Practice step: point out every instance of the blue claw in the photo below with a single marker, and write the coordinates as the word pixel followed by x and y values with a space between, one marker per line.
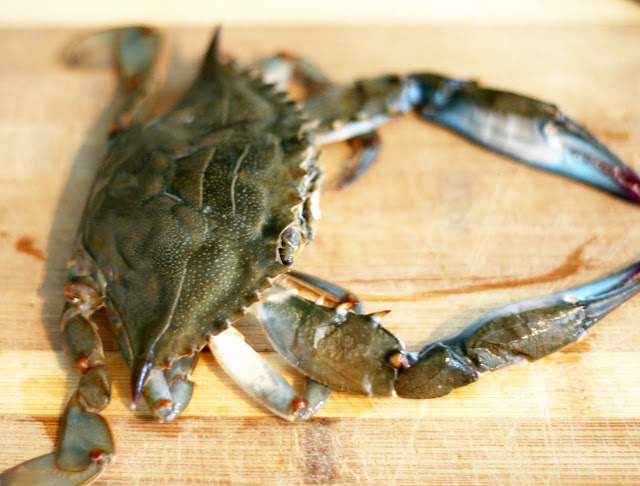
pixel 528 330
pixel 565 315
pixel 617 288
pixel 525 129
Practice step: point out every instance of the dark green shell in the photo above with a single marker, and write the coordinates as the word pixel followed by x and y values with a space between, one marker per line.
pixel 187 212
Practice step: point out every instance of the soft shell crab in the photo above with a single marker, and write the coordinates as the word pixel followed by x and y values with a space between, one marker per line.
pixel 83 295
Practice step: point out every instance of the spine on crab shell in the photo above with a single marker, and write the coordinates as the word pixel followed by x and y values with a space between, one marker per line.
pixel 139 374
pixel 524 129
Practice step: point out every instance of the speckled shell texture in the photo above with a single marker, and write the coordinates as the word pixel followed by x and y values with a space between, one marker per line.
pixel 186 215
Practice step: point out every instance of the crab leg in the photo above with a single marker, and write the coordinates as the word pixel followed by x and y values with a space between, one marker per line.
pixel 85 447
pixel 524 129
pixel 284 69
pixel 260 380
pixel 139 55
pixel 84 451
pixel 166 391
pixel 180 387
pixel 327 105
pixel 365 149
pixel 525 330
pixel 353 352
pixel 324 288
pixel 42 471
pixel 85 351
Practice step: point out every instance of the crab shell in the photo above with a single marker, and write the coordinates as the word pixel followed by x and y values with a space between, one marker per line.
pixel 193 213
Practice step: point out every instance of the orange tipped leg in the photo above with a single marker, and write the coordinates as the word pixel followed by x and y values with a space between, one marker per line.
pixel 85 446
pixel 138 53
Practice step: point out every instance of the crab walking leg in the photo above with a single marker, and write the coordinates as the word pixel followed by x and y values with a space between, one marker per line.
pixel 258 378
pixel 166 401
pixel 180 387
pixel 84 450
pixel 353 352
pixel 42 471
pixel 525 129
pixel 138 53
pixel 85 351
pixel 85 446
pixel 365 149
pixel 168 392
pixel 284 69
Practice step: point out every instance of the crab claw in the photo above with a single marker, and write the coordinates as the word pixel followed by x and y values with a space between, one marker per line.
pixel 525 330
pixel 525 129
pixel 332 345
pixel 354 353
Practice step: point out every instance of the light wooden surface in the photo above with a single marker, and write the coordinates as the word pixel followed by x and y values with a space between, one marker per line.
pixel 41 13
pixel 439 231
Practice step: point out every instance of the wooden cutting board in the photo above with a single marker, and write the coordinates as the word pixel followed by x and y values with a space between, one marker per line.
pixel 439 231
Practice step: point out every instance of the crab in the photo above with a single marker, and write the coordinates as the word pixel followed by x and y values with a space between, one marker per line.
pixel 197 215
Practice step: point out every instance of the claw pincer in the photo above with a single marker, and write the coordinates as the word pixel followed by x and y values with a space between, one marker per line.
pixel 525 129
pixel 334 346
pixel 522 128
pixel 353 352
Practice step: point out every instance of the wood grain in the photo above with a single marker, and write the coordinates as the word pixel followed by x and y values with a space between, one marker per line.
pixel 83 13
pixel 439 231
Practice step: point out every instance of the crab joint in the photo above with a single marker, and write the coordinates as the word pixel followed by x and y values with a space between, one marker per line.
pixel 352 299
pixel 166 403
pixel 83 294
pixel 69 314
pixel 99 456
pixel 299 406
pixel 82 364
pixel 134 82
pixel 398 360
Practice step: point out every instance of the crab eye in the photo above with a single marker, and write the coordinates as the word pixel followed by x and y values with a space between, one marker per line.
pixel 288 244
